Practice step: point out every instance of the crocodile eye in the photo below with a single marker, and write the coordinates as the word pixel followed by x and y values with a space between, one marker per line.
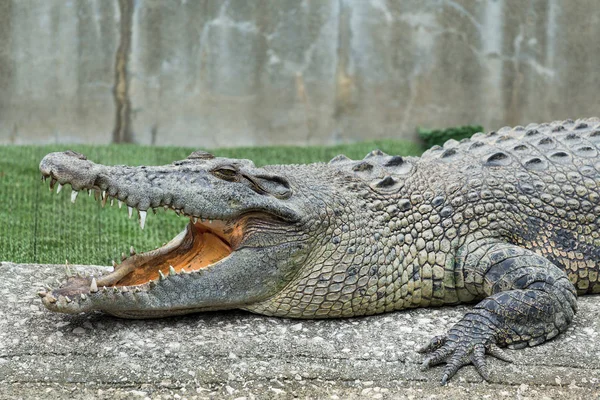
pixel 226 173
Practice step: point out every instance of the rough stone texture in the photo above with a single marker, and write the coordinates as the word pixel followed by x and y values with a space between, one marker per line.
pixel 222 73
pixel 235 354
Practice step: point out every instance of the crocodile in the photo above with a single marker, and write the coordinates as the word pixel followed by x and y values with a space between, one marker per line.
pixel 507 220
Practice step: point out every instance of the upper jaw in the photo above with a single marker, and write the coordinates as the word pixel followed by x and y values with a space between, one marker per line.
pixel 189 190
pixel 131 186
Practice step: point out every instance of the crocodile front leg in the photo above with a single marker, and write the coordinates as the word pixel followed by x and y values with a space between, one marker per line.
pixel 526 301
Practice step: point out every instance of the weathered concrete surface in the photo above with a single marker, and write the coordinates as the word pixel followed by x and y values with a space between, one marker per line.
pixel 57 71
pixel 252 72
pixel 236 354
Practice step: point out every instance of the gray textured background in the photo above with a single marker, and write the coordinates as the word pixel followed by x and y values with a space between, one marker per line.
pixel 245 72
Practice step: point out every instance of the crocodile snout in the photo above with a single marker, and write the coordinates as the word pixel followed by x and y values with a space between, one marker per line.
pixel 68 167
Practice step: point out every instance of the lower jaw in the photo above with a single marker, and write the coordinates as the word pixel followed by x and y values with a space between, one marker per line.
pixel 197 247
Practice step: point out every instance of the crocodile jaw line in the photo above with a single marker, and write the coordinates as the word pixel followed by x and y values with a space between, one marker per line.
pixel 195 248
pixel 202 244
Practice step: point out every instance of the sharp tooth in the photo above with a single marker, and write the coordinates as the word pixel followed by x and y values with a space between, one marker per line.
pixel 59 188
pixel 195 219
pixel 120 203
pixel 89 192
pixel 114 264
pixel 112 201
pixel 152 284
pixel 83 296
pixel 130 211
pixel 137 289
pixel 123 257
pixel 68 299
pixel 104 198
pixel 68 271
pixel 131 251
pixel 124 289
pixel 93 286
pixel 162 276
pixel 172 270
pixel 142 219
pixel 74 194
pixel 42 293
pixel 210 221
pixel 51 299
pixel 116 289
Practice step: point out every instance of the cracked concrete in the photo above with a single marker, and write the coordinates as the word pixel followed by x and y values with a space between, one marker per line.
pixel 240 355
pixel 221 73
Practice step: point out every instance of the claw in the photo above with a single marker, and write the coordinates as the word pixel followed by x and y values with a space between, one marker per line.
pixel 445 379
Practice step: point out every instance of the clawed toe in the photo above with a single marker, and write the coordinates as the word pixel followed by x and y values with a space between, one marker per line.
pixel 436 358
pixel 435 343
pixel 500 354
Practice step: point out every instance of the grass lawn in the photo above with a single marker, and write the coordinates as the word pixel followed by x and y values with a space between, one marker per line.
pixel 38 226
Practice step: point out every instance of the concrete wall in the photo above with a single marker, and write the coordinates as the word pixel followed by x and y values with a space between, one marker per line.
pixel 253 72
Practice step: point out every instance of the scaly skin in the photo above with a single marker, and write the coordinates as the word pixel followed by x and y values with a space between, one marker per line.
pixel 507 219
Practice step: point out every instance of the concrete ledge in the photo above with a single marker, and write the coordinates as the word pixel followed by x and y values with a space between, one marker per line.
pixel 237 354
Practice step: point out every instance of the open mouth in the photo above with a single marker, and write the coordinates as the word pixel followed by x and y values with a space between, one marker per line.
pixel 197 247
pixel 202 244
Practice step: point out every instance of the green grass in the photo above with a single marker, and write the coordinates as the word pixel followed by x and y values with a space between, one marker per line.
pixel 38 226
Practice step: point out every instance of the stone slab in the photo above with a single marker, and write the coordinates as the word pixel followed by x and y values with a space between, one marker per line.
pixel 240 355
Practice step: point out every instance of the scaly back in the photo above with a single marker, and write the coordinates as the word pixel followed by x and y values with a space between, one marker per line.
pixel 548 175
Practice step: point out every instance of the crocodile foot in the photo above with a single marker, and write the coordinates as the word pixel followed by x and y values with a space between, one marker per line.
pixel 466 343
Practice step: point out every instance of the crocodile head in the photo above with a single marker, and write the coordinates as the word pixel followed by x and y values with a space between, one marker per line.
pixel 247 235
